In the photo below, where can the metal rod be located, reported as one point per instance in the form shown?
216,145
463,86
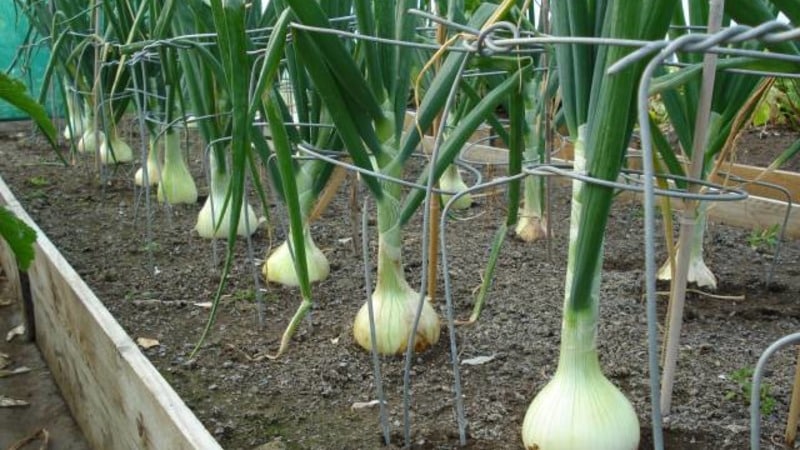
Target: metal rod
755,394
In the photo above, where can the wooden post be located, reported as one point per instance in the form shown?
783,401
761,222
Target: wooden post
794,407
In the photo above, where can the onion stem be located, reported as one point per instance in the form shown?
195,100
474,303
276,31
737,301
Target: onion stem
579,408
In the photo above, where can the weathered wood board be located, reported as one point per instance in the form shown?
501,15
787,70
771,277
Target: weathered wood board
789,180
757,213
753,213
115,394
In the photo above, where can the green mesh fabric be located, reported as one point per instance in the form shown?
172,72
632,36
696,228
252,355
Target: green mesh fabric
24,63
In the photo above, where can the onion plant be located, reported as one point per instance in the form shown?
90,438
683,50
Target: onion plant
156,85
109,97
707,114
159,92
538,94
307,119
580,407
366,93
83,41
233,69
732,102
71,61
213,101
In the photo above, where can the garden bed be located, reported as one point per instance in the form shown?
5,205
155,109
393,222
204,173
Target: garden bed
151,272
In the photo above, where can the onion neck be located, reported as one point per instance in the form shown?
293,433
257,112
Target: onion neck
305,176
391,277
698,233
219,179
172,148
586,302
578,350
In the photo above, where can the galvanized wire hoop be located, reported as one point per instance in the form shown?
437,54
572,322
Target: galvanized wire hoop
768,32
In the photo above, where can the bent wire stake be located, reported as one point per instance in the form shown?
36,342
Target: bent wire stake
697,43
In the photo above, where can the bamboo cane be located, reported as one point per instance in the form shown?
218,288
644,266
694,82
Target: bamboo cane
794,407
689,217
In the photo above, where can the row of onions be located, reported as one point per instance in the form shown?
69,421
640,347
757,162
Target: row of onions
219,66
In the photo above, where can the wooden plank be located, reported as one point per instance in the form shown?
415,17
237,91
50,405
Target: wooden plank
118,398
13,289
756,213
788,180
753,213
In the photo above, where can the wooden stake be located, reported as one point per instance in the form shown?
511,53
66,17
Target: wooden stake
434,212
337,178
794,407
433,246
678,298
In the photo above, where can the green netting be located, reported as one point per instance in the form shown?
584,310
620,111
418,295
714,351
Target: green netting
27,64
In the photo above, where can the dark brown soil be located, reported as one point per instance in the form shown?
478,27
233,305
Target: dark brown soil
150,269
760,147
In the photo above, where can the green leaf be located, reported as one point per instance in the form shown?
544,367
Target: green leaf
756,12
19,237
459,136
283,153
791,8
14,92
347,119
516,148
334,54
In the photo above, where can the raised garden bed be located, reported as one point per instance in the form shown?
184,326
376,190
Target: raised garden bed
117,397
150,273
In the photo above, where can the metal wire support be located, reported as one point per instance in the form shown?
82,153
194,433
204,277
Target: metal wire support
755,394
786,215
697,43
495,40
376,361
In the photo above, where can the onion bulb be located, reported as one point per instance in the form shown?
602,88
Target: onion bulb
151,165
91,140
214,218
531,228
176,184
280,267
114,150
531,225
451,181
698,273
394,305
77,125
579,408
76,129
217,225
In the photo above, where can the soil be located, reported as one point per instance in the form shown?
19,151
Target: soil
760,146
150,270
